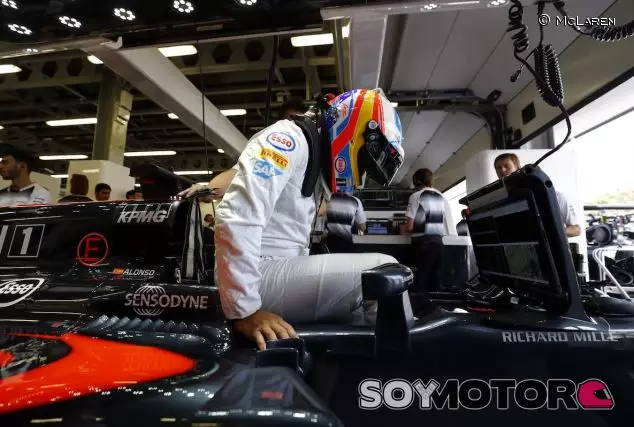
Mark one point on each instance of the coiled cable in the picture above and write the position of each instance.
(602, 33)
(548, 74)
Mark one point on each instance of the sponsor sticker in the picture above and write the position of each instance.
(153, 213)
(14, 291)
(126, 273)
(282, 141)
(340, 164)
(92, 249)
(278, 159)
(265, 170)
(152, 300)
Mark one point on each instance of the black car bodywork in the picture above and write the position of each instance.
(109, 317)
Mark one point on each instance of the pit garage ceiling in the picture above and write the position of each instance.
(446, 50)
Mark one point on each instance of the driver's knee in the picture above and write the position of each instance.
(386, 259)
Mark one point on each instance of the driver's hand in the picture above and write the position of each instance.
(264, 326)
(192, 191)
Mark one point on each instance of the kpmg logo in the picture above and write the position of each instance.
(151, 213)
(476, 394)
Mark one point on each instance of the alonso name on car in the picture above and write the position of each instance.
(144, 214)
(133, 272)
(152, 300)
(14, 291)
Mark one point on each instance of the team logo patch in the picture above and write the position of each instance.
(14, 291)
(282, 141)
(280, 160)
(340, 164)
(265, 170)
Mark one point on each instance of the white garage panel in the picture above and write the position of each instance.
(420, 130)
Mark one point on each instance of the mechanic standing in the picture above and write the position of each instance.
(428, 212)
(507, 163)
(263, 223)
(343, 212)
(16, 167)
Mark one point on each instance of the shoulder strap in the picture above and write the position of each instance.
(315, 155)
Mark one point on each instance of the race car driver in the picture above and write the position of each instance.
(16, 167)
(263, 223)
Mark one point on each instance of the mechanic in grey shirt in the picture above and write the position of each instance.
(507, 163)
(342, 213)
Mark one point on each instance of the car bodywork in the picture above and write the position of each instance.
(109, 317)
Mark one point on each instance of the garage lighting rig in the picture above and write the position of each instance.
(12, 4)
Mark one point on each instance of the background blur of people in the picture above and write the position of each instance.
(102, 192)
(294, 106)
(78, 190)
(134, 195)
(16, 166)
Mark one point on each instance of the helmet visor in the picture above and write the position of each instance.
(382, 159)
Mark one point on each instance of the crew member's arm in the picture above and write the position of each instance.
(263, 172)
(222, 181)
(450, 225)
(571, 219)
(360, 218)
(412, 208)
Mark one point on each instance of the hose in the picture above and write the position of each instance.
(269, 81)
(602, 33)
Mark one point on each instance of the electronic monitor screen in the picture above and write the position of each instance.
(508, 243)
(377, 227)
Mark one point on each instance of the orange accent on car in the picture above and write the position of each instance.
(5, 358)
(92, 366)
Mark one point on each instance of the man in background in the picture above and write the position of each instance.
(78, 190)
(294, 106)
(508, 163)
(102, 192)
(428, 212)
(343, 212)
(16, 167)
(134, 195)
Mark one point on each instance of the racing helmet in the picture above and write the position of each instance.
(365, 138)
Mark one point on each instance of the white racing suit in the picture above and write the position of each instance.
(262, 236)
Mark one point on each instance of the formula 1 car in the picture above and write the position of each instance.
(109, 317)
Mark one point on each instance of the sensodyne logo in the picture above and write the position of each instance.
(152, 300)
(144, 214)
(16, 290)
